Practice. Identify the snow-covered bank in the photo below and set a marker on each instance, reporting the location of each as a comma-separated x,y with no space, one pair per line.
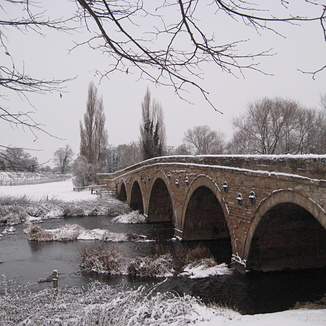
71,232
103,305
32,203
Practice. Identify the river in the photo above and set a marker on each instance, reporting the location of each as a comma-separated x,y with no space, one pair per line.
249,293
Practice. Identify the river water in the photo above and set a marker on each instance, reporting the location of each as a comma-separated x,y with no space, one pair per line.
249,293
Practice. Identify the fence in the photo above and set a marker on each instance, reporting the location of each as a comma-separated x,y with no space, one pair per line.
22,182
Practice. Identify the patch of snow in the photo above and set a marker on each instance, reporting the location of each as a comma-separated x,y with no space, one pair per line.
236,259
95,234
204,268
9,230
109,236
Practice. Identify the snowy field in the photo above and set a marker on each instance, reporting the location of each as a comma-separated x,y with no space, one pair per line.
159,310
62,190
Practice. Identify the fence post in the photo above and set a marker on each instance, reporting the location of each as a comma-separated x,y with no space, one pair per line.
55,279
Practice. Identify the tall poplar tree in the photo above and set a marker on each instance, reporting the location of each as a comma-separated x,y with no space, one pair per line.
93,135
152,129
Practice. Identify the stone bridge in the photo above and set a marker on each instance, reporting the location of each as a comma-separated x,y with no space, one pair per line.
270,209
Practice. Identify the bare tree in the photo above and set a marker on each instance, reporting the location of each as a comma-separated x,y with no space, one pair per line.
93,135
63,157
204,140
278,126
317,135
323,101
123,155
17,159
152,129
182,149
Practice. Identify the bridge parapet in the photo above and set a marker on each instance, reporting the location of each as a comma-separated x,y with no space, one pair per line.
312,166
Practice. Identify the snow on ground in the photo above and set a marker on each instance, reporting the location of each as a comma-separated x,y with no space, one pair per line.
300,317
62,190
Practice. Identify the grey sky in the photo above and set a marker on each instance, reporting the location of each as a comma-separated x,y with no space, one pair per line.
302,47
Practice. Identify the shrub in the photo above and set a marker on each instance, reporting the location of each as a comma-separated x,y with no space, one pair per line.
65,233
159,266
37,233
101,260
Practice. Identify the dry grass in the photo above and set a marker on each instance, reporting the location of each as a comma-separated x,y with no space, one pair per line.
36,233
65,233
12,200
160,266
109,261
320,304
182,256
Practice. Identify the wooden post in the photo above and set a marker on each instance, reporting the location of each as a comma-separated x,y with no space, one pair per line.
55,279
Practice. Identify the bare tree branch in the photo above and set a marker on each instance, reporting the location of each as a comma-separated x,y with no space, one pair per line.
18,81
187,44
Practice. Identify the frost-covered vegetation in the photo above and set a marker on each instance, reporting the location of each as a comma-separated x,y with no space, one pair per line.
101,305
132,217
16,210
195,263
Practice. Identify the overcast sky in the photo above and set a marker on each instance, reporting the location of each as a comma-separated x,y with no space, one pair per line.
302,47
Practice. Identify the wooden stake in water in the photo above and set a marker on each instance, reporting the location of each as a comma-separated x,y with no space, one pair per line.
55,279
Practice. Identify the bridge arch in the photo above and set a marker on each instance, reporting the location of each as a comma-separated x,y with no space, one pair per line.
160,207
204,214
288,231
136,198
122,192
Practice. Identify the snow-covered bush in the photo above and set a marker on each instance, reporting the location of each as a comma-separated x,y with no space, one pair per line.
132,217
100,260
64,233
84,173
115,207
159,266
14,218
